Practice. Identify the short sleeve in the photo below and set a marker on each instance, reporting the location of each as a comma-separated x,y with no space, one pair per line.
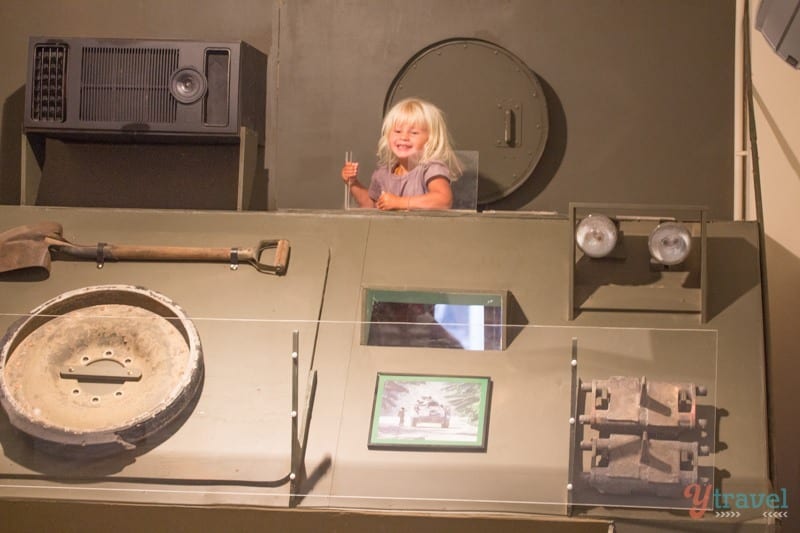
434,170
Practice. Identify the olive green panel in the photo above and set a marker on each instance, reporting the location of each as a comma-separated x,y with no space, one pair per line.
23,517
234,445
486,253
531,378
238,433
639,94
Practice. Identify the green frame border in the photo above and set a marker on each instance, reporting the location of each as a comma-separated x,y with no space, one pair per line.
480,443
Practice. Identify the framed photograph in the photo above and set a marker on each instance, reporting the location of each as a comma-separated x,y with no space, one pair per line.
419,412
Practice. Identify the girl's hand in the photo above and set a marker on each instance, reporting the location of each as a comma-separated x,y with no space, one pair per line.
388,201
350,172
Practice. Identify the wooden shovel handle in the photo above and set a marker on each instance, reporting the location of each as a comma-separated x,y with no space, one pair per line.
131,252
128,252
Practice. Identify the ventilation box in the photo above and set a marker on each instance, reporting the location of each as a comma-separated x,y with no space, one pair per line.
167,89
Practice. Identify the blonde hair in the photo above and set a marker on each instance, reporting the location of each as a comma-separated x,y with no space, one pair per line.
439,146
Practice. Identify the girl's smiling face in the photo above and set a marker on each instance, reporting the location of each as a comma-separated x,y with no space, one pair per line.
408,141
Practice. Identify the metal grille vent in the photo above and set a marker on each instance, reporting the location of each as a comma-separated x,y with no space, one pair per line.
127,85
48,100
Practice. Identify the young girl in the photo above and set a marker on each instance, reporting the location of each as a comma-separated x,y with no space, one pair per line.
416,162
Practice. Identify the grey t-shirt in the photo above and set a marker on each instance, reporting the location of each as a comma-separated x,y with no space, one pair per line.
413,183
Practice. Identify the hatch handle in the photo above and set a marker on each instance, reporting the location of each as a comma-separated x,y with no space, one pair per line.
509,129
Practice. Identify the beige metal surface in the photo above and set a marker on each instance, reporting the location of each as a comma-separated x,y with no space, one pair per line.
234,446
238,432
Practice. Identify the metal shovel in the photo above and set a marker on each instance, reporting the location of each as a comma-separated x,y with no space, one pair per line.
31,247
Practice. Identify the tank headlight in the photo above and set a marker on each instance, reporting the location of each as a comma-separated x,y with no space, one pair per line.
670,243
596,235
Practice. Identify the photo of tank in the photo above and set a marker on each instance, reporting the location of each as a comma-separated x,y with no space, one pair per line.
429,411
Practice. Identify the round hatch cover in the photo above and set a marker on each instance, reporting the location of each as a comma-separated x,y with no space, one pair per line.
108,364
493,103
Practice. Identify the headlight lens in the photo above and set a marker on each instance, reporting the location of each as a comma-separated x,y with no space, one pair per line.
596,235
670,243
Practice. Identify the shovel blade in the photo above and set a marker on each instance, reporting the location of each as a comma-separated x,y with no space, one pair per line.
22,258
24,249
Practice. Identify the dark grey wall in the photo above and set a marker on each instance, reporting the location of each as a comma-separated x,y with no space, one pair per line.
640,93
210,20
